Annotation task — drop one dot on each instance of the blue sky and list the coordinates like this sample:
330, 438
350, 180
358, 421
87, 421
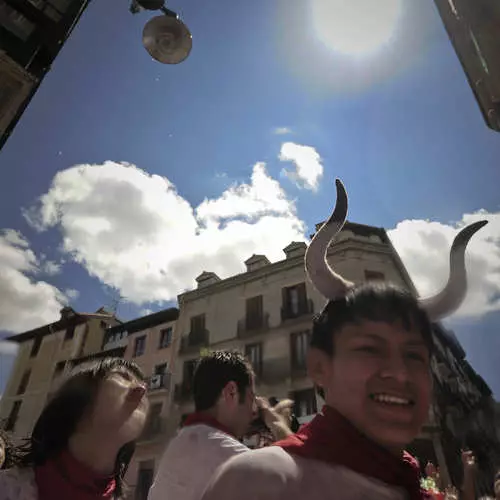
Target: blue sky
399, 125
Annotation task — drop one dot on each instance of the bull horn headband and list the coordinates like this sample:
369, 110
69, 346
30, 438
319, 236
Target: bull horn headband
332, 285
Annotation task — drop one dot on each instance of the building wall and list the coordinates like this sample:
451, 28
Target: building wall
31, 35
153, 354
473, 30
53, 349
149, 449
224, 305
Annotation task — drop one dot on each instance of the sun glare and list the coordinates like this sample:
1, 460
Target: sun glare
355, 27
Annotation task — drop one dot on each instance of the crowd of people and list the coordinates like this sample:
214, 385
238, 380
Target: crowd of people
369, 359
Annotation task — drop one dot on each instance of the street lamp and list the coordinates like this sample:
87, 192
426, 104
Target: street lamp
166, 38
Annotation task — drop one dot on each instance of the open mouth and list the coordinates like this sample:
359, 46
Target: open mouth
392, 400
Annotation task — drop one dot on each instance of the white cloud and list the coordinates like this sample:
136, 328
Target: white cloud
262, 196
8, 348
50, 268
146, 312
424, 247
282, 131
308, 167
24, 302
134, 232
71, 293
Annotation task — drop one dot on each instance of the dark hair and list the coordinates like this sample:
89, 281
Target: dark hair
214, 371
11, 452
60, 417
371, 302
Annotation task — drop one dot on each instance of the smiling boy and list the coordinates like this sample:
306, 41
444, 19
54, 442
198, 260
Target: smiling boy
370, 357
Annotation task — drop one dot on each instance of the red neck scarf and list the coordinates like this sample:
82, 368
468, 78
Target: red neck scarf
65, 478
329, 437
202, 418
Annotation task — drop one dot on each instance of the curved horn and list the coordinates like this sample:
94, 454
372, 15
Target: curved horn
330, 284
451, 297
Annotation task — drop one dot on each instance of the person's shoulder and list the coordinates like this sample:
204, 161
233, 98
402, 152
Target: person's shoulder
258, 474
201, 443
270, 460
211, 439
17, 484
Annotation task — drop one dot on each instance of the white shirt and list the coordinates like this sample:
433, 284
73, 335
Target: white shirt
190, 460
273, 474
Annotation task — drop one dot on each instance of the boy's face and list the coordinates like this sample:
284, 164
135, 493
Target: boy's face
379, 378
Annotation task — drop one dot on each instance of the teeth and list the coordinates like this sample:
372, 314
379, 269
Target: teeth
394, 400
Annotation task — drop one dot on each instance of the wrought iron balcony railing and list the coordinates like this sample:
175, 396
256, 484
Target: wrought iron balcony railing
194, 341
159, 382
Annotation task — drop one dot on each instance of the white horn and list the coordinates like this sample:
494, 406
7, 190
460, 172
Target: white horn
330, 284
451, 297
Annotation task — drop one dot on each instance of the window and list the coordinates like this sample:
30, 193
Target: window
294, 301
305, 402
188, 372
12, 419
374, 276
165, 338
15, 22
37, 342
254, 318
253, 352
198, 323
139, 345
144, 479
70, 332
161, 369
24, 382
299, 343
154, 420
59, 369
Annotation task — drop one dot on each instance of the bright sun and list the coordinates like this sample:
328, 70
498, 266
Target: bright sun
355, 27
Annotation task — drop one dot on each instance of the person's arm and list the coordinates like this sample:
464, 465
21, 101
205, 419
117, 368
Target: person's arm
276, 419
469, 468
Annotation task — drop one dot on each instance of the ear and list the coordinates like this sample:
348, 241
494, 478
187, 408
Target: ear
230, 392
318, 366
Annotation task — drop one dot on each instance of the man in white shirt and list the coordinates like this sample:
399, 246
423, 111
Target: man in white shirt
225, 405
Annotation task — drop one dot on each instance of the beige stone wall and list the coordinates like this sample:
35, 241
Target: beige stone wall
53, 349
153, 355
95, 335
351, 256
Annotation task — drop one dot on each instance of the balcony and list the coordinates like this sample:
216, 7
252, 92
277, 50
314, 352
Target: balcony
305, 308
194, 341
159, 382
115, 341
252, 325
182, 392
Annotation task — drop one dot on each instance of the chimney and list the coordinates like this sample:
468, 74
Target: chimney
206, 279
67, 312
295, 249
256, 262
